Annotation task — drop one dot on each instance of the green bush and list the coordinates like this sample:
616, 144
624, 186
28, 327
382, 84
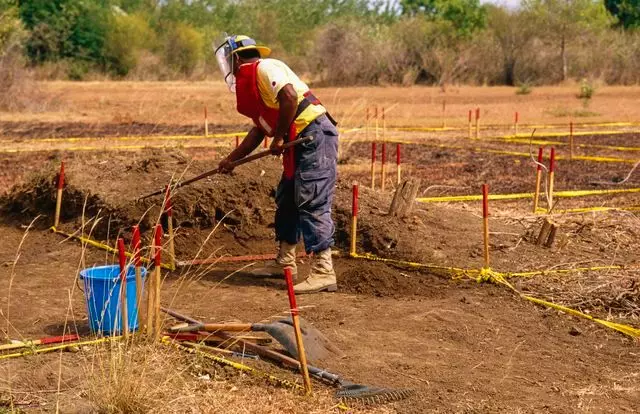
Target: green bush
183, 48
523, 89
128, 35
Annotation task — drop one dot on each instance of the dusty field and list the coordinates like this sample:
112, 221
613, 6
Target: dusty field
462, 346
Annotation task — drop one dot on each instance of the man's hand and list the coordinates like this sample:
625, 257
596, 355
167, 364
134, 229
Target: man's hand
276, 146
225, 166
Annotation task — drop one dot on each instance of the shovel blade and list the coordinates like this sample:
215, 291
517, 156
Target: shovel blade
317, 345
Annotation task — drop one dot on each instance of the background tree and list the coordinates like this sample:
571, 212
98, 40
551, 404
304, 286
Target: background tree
562, 22
627, 12
465, 15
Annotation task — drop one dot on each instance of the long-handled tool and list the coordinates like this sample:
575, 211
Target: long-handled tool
41, 341
302, 355
347, 390
318, 347
234, 164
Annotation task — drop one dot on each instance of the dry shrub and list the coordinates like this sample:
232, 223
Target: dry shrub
16, 82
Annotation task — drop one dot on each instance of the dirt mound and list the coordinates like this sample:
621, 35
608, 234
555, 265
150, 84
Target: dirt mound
376, 279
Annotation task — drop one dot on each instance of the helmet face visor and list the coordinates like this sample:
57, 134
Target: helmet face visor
224, 58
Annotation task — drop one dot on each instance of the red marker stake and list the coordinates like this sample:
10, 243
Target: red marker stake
470, 125
552, 168
169, 211
485, 219
123, 288
302, 357
444, 113
383, 160
136, 246
477, 123
373, 165
354, 219
515, 126
56, 219
398, 162
366, 125
536, 196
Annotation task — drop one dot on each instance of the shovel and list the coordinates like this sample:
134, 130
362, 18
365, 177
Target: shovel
317, 346
234, 164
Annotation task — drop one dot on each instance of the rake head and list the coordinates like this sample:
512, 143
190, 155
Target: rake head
365, 394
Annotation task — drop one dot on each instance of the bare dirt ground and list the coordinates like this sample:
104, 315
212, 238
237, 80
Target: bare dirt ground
462, 346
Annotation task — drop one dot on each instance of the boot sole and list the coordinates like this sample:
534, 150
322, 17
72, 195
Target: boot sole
330, 288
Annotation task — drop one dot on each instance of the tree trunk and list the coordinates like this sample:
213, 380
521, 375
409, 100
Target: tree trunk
404, 198
563, 53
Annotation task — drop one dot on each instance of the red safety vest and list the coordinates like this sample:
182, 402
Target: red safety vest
250, 104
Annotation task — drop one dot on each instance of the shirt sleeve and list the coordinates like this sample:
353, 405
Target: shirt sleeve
274, 76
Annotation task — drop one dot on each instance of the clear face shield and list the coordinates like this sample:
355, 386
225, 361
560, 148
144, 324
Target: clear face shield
225, 62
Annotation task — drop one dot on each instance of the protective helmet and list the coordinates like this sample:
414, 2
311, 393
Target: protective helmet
230, 45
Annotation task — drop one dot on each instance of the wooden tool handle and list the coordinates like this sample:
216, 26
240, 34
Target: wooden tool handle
229, 327
59, 339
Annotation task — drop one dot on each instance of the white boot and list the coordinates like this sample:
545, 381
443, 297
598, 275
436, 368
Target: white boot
286, 257
322, 277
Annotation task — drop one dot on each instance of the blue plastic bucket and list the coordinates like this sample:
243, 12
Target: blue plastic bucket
102, 294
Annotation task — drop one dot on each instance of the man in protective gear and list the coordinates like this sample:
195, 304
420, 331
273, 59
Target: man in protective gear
282, 106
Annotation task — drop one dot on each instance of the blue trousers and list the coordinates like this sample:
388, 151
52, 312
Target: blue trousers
304, 202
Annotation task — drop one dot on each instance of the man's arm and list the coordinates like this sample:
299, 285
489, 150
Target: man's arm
250, 142
288, 101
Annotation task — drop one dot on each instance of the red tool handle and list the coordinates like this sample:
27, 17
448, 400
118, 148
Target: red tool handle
59, 339
398, 154
61, 176
354, 202
517, 116
552, 160
571, 127
477, 113
122, 259
136, 246
384, 153
292, 296
157, 255
373, 152
540, 150
205, 112
168, 206
485, 200
470, 114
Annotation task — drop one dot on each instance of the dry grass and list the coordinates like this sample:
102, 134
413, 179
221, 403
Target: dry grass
183, 103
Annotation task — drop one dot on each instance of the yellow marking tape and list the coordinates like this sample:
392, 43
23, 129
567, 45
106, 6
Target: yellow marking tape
106, 148
34, 351
103, 246
532, 126
516, 196
593, 209
527, 141
488, 275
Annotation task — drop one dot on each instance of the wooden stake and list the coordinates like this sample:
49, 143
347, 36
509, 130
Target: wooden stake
375, 114
536, 196
470, 125
552, 235
399, 179
156, 282
544, 232
477, 123
56, 219
373, 165
552, 167
136, 244
237, 141
206, 123
570, 140
151, 292
169, 210
515, 125
302, 357
485, 221
354, 219
124, 308
266, 142
383, 168
444, 113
